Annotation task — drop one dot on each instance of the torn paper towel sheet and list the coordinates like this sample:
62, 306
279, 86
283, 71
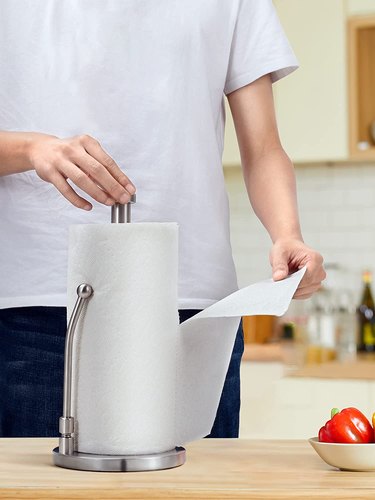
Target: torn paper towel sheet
201, 374
142, 382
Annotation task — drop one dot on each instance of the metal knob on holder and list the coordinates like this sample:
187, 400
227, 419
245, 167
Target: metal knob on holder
64, 455
122, 213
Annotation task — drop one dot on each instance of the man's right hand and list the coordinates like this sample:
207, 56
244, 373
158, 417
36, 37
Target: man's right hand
82, 160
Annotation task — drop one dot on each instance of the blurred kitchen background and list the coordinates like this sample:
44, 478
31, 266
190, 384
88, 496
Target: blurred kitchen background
320, 355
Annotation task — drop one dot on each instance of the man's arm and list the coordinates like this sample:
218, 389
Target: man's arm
270, 182
80, 159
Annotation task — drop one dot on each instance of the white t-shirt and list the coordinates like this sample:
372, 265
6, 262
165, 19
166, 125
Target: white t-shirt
147, 79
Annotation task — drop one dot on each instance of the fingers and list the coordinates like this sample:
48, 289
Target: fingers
313, 277
94, 149
94, 170
280, 271
62, 185
305, 293
82, 160
315, 272
303, 297
280, 268
289, 255
85, 183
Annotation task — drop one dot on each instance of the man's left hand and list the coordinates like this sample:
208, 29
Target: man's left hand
289, 255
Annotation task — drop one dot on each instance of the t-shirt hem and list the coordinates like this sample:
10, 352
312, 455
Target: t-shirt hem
277, 70
60, 301
33, 301
195, 303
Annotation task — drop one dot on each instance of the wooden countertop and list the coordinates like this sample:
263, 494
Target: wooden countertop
263, 352
361, 369
215, 469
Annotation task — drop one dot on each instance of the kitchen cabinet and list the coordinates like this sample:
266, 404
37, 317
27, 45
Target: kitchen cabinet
361, 49
215, 469
302, 400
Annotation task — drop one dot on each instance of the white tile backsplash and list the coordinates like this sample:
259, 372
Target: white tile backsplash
344, 219
316, 220
358, 196
337, 210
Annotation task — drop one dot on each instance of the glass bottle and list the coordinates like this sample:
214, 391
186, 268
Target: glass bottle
365, 316
346, 328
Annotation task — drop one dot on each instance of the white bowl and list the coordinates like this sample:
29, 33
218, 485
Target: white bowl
355, 457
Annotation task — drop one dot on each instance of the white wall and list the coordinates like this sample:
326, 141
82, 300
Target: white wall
359, 7
312, 104
337, 208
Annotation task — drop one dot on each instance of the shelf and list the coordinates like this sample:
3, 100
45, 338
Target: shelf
361, 45
366, 155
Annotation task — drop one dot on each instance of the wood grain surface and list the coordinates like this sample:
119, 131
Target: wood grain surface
356, 370
215, 469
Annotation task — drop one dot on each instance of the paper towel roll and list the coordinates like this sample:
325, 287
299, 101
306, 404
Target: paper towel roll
142, 382
125, 349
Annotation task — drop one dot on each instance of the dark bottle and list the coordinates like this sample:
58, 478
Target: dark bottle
366, 316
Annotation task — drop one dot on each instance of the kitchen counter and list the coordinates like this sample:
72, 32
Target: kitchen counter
215, 469
362, 369
263, 352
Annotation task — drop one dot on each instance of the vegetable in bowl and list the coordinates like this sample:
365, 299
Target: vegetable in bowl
347, 426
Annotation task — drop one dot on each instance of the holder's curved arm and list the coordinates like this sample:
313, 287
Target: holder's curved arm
66, 422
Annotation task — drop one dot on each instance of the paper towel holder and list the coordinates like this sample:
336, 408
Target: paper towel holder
64, 455
121, 213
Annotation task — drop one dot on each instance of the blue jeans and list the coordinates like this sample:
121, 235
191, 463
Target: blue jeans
32, 371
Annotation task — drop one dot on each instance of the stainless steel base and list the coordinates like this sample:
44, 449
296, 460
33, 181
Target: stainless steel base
120, 463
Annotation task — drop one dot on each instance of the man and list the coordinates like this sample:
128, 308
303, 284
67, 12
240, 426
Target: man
100, 98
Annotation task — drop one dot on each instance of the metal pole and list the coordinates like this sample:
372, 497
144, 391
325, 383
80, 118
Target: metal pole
122, 213
66, 422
